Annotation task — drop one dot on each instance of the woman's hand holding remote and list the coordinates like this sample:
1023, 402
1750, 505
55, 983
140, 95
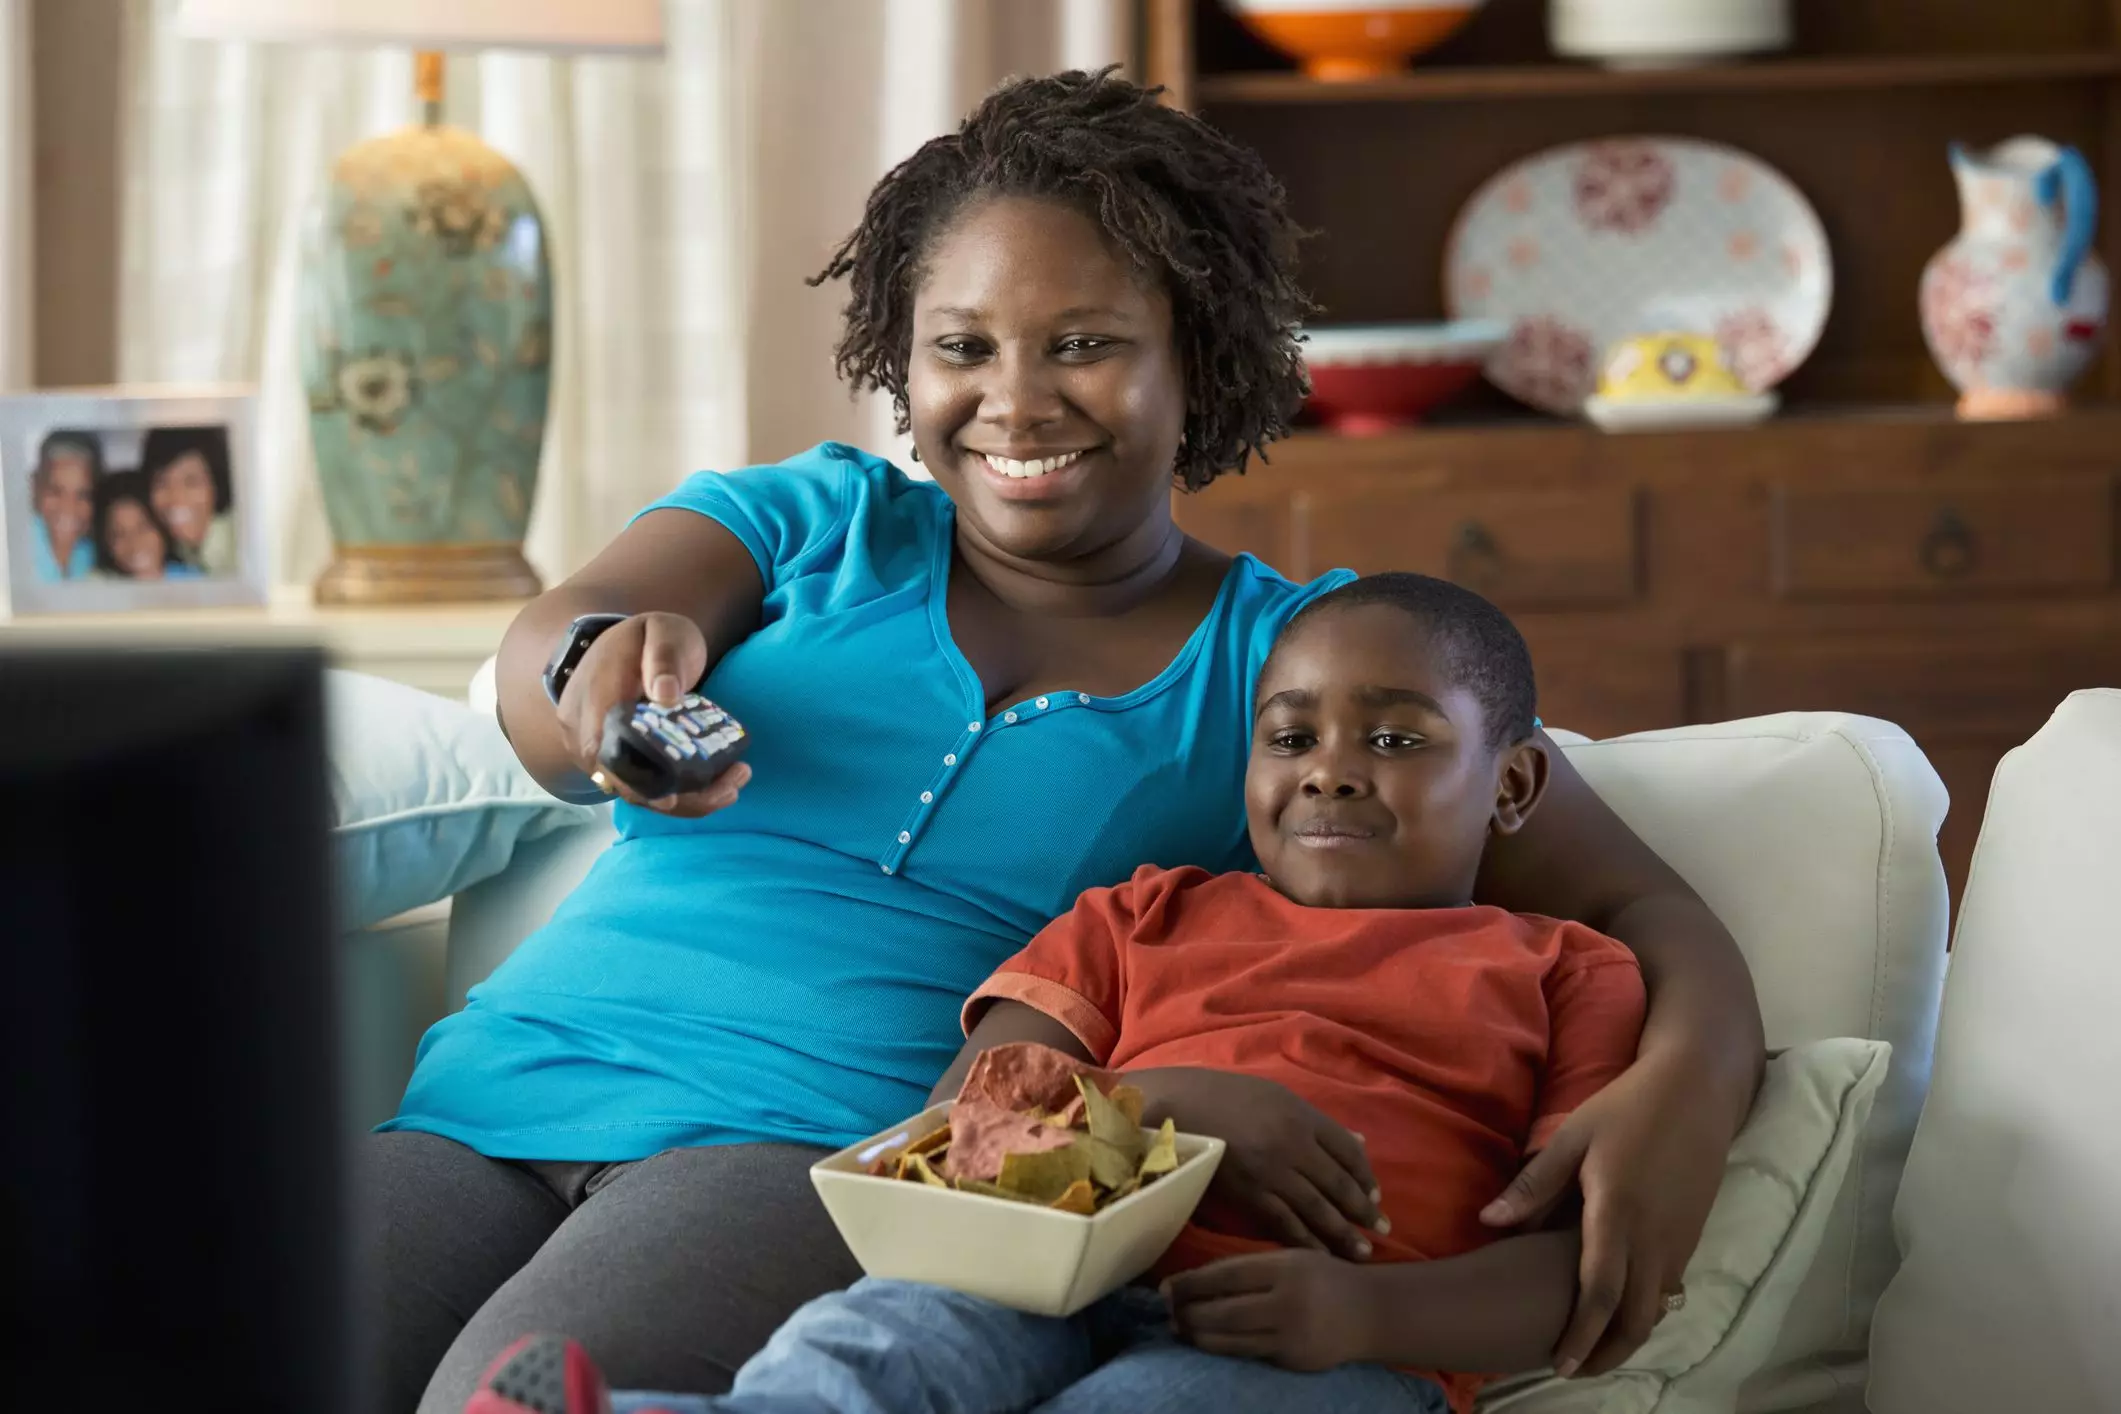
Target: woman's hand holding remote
658, 656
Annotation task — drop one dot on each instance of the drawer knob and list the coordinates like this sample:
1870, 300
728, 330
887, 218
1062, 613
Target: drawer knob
1948, 550
1474, 557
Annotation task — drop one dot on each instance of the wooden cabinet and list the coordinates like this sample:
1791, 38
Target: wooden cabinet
1863, 551
1956, 579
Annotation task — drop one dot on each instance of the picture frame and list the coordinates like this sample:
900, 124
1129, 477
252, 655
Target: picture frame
135, 498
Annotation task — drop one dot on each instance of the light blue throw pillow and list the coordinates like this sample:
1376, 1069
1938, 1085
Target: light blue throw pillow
427, 798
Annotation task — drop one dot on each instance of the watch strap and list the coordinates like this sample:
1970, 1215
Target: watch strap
567, 655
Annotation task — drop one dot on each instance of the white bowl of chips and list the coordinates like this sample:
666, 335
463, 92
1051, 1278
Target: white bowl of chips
1017, 1249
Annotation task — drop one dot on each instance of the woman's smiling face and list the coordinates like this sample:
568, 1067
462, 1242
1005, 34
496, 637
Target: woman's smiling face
183, 493
1044, 387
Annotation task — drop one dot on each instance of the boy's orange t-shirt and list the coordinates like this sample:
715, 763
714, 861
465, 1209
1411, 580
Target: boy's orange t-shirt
1455, 1041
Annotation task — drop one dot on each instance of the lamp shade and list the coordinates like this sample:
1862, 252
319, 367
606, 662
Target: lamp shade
567, 26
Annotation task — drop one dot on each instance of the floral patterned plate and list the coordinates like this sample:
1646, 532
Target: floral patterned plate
1582, 246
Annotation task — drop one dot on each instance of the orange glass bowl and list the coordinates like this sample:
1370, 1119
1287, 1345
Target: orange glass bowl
1339, 42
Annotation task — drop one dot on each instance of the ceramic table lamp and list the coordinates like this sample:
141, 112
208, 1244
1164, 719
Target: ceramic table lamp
427, 322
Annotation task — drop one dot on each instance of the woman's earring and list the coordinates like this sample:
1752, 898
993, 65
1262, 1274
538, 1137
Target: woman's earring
916, 456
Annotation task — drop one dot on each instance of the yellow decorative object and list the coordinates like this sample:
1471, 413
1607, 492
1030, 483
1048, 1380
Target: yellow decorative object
1672, 381
1668, 366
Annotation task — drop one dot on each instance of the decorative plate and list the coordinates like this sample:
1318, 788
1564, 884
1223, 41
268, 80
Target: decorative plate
1584, 245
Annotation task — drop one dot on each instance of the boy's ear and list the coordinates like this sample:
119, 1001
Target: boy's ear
1519, 784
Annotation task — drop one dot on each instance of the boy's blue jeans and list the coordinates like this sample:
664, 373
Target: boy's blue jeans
891, 1347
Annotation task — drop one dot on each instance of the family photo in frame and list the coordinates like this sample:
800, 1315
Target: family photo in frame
121, 499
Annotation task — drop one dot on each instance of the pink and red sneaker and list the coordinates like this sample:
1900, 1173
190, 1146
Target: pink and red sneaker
542, 1374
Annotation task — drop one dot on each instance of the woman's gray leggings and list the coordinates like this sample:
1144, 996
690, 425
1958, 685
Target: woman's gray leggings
672, 1271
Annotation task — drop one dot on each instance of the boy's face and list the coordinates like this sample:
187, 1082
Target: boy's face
1372, 784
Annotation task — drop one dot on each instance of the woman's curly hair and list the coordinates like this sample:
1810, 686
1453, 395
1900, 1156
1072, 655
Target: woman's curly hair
1191, 209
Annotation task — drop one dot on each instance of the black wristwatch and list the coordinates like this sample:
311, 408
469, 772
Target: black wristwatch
573, 644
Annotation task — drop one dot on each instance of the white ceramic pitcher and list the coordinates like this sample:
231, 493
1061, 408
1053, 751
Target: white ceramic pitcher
2015, 306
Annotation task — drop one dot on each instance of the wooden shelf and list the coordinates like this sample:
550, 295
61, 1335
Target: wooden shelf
1919, 434
1566, 80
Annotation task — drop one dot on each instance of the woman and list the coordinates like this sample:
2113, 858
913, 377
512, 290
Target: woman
188, 481
131, 540
63, 492
968, 701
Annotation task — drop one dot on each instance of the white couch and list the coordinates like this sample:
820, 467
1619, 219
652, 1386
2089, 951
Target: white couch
2010, 1297
1813, 837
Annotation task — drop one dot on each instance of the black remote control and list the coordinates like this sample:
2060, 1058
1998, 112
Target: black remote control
663, 751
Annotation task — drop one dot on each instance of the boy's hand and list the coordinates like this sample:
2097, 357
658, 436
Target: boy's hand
1303, 1178
1298, 1309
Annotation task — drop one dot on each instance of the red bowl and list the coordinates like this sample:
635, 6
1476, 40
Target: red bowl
1371, 379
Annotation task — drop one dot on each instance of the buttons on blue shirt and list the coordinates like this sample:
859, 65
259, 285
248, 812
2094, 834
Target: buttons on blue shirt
972, 726
1083, 697
1042, 704
927, 797
1009, 716
905, 837
951, 759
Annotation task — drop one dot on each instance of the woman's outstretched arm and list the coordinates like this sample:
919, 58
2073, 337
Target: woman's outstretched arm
1649, 1150
691, 591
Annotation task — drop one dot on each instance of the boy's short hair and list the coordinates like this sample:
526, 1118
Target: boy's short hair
1479, 648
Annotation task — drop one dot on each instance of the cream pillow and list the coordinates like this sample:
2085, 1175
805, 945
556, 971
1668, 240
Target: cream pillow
1779, 1187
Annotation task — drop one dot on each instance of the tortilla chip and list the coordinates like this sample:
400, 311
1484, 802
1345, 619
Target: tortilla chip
934, 1139
1108, 1165
1129, 1101
982, 1133
1163, 1153
1025, 1075
1080, 1199
986, 1190
1126, 1190
1043, 1177
1109, 1123
917, 1166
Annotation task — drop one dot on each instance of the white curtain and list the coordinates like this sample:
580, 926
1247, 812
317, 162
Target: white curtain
688, 198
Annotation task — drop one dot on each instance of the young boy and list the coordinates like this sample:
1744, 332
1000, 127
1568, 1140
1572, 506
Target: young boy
1379, 1055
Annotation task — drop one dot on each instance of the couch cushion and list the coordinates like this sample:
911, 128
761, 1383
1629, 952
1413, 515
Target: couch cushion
2009, 1216
1813, 836
1780, 1187
427, 797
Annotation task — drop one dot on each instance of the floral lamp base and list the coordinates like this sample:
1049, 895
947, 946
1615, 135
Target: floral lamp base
427, 356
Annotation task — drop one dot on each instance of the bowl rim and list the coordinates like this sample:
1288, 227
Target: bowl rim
829, 1166
1343, 7
1329, 345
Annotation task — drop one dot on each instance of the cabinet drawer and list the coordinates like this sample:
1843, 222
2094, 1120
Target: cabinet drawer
1557, 550
1929, 541
1938, 689
1603, 685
